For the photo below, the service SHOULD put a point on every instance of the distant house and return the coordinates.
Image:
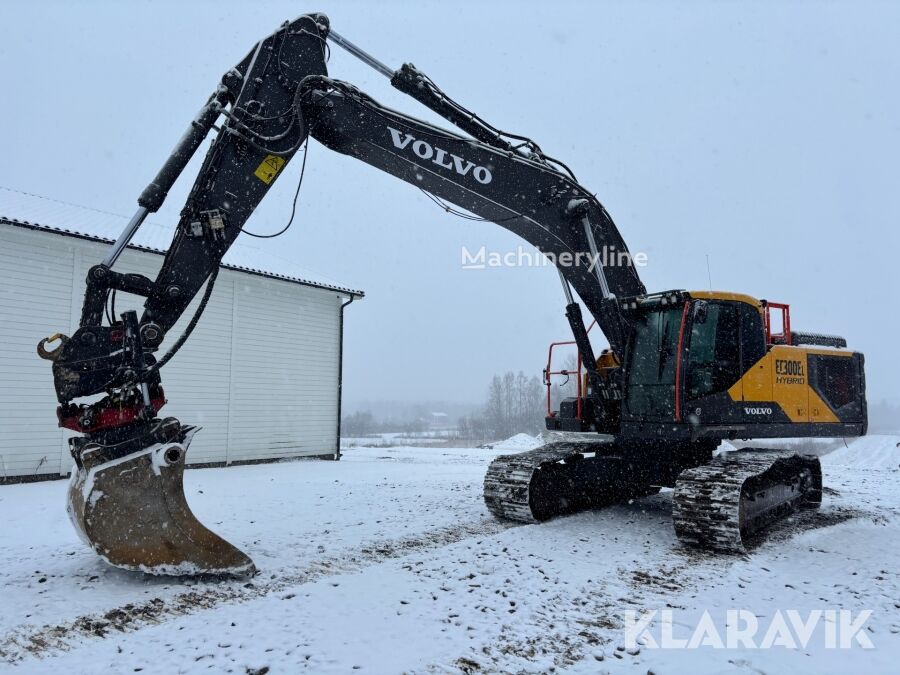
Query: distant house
(439, 421)
(261, 373)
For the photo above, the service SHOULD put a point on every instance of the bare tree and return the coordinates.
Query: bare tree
(358, 424)
(514, 405)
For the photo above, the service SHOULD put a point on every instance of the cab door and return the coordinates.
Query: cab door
(712, 364)
(651, 365)
(755, 387)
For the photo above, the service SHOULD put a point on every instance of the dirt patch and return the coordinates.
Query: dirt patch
(550, 638)
(663, 580)
(467, 666)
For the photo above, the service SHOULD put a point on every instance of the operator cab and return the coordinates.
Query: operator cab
(720, 365)
(686, 353)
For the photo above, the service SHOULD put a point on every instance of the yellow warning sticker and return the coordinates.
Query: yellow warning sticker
(269, 168)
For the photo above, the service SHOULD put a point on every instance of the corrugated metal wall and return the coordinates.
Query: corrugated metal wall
(259, 373)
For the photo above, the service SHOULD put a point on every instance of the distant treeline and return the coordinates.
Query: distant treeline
(515, 404)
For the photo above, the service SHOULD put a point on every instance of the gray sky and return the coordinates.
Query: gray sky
(766, 137)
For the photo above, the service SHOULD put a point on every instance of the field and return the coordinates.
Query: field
(387, 561)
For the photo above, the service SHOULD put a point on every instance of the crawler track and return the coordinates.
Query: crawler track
(560, 478)
(508, 484)
(719, 505)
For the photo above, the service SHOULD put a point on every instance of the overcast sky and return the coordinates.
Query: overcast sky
(764, 137)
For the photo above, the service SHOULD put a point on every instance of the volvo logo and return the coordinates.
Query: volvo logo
(424, 150)
(758, 411)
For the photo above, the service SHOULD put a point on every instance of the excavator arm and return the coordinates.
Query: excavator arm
(125, 496)
(262, 131)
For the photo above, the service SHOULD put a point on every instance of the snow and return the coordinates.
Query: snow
(874, 452)
(397, 438)
(517, 443)
(387, 561)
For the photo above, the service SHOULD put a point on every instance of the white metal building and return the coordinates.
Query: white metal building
(261, 372)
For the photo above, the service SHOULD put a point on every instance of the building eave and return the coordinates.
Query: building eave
(49, 229)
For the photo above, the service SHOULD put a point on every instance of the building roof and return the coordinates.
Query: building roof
(36, 212)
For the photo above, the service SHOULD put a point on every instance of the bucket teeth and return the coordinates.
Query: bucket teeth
(132, 511)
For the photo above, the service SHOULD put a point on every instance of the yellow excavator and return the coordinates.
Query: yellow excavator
(682, 371)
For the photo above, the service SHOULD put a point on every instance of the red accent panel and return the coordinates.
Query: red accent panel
(105, 417)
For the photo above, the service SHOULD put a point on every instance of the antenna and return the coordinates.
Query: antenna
(708, 275)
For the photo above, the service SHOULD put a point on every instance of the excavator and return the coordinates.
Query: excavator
(682, 372)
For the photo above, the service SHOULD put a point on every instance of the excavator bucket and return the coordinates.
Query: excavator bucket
(132, 511)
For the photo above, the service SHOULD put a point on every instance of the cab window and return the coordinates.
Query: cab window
(713, 360)
(753, 337)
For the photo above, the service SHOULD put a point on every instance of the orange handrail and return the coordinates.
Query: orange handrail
(548, 373)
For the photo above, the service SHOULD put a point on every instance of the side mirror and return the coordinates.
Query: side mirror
(701, 311)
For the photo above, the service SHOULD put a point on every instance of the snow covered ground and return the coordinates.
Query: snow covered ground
(388, 562)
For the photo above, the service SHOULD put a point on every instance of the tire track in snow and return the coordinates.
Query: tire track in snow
(27, 641)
